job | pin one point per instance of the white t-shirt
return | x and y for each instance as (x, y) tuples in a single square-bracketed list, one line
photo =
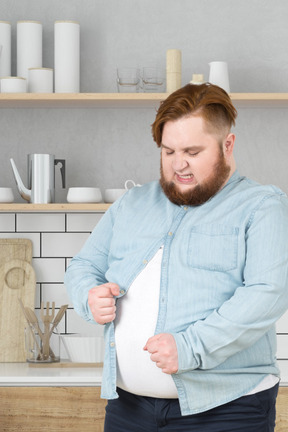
[(135, 323)]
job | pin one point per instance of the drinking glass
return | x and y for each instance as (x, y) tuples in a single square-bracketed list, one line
[(128, 80), (153, 80)]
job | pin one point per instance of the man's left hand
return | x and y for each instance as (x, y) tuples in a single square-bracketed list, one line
[(163, 350)]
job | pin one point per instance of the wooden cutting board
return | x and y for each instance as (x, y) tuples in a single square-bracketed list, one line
[(17, 280)]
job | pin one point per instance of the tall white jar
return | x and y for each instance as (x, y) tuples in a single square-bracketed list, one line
[(67, 56), (5, 48), (29, 46)]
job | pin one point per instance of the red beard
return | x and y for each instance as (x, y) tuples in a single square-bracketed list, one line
[(200, 193)]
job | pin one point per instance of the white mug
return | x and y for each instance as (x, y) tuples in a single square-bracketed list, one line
[(219, 75), (127, 182)]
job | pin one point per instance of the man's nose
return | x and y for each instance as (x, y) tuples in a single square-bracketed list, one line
[(179, 162)]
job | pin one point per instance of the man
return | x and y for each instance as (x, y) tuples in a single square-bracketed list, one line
[(189, 276)]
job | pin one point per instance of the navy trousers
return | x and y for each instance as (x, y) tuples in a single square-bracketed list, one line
[(132, 413)]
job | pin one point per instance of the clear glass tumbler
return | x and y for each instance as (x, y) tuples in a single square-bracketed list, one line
[(128, 80)]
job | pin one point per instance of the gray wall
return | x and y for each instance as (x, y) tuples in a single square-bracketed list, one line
[(105, 147)]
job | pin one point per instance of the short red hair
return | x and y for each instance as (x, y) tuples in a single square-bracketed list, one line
[(209, 101)]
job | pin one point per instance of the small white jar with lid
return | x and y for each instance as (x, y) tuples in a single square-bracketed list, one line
[(13, 84), (40, 80), (197, 79)]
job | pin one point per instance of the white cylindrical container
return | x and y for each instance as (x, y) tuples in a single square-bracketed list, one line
[(173, 70), (40, 80), (67, 56), (5, 42), (13, 85), (29, 46)]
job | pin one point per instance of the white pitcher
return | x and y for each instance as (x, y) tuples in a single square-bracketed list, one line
[(219, 75)]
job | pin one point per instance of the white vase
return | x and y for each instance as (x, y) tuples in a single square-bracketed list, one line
[(67, 57), (219, 75)]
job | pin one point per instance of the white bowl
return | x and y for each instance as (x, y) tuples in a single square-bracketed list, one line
[(111, 195), (6, 195), (84, 195), (84, 349)]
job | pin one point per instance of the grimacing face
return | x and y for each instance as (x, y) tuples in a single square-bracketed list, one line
[(195, 164)]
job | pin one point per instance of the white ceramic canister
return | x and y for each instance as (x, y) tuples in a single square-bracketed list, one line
[(173, 70), (40, 80), (5, 48), (29, 46), (13, 85), (67, 56)]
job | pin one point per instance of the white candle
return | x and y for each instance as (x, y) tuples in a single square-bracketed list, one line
[(67, 56)]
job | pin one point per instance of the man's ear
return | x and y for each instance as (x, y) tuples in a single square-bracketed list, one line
[(229, 144)]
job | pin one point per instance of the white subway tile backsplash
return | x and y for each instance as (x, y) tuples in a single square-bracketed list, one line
[(76, 324), (34, 237), (40, 222), (283, 365), (282, 346), (282, 324), (37, 295), (62, 244), (7, 222), (49, 269), (56, 293), (82, 221)]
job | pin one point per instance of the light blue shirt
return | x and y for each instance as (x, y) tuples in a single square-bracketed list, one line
[(224, 280)]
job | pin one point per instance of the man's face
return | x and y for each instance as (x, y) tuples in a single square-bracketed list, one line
[(195, 164)]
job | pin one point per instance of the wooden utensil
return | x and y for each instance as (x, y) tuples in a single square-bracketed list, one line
[(58, 318), (47, 319)]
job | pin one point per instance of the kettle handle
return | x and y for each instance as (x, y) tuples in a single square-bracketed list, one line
[(62, 170)]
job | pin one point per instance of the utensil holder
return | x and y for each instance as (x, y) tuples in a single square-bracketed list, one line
[(35, 345)]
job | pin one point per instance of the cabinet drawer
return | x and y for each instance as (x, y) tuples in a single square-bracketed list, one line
[(51, 409)]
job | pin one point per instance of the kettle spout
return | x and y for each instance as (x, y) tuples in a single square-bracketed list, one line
[(24, 192)]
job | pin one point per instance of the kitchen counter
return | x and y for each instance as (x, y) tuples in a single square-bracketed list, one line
[(23, 374)]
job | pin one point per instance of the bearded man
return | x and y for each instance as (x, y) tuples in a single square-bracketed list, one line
[(189, 276)]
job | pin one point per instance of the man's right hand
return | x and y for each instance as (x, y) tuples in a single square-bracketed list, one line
[(102, 303)]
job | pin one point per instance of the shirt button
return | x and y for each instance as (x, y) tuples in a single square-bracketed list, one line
[(122, 292), (170, 233), (112, 344), (145, 261)]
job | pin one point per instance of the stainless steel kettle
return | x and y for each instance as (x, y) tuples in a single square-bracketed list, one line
[(41, 178)]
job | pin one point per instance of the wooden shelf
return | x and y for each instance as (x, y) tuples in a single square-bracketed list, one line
[(126, 100), (55, 207), (81, 100), (260, 100)]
